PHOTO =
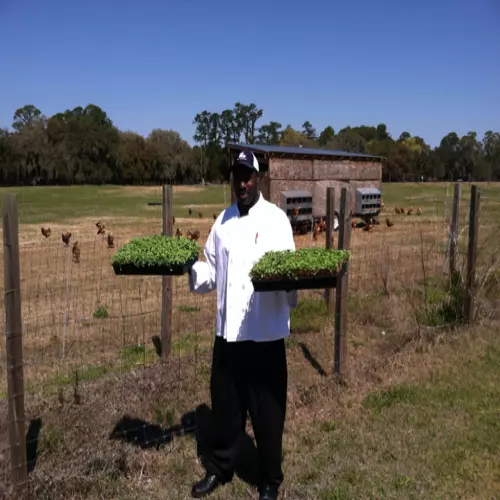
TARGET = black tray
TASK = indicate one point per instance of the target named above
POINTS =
(315, 282)
(173, 270)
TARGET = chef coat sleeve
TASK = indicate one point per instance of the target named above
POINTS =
(289, 244)
(202, 277)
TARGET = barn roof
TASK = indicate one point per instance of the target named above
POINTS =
(298, 151)
(368, 190)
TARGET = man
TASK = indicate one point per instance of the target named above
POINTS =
(249, 370)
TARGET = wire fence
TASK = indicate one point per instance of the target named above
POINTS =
(82, 316)
(86, 330)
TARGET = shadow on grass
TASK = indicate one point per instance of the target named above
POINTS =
(32, 438)
(146, 435)
(312, 360)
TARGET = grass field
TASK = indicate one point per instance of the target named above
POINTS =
(418, 418)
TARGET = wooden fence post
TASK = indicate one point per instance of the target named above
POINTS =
(340, 344)
(457, 194)
(14, 341)
(330, 227)
(167, 281)
(470, 292)
(233, 194)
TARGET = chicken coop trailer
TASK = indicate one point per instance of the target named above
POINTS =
(307, 173)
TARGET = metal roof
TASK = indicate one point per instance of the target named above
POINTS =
(288, 150)
(368, 190)
(296, 194)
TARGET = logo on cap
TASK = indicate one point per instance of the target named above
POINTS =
(242, 156)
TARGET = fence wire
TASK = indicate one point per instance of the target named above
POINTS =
(90, 338)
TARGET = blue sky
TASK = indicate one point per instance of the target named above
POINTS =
(430, 67)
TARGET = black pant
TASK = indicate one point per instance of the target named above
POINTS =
(248, 377)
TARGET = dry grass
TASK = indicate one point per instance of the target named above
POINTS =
(336, 446)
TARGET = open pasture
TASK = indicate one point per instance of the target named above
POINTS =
(80, 315)
(83, 326)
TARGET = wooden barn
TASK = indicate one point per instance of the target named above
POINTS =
(305, 170)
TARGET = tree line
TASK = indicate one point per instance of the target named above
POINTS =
(84, 146)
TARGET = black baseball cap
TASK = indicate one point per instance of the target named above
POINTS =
(248, 159)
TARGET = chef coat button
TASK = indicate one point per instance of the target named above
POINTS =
(243, 287)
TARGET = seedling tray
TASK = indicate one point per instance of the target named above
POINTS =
(286, 284)
(160, 270)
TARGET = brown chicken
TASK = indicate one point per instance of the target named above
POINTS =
(396, 209)
(296, 211)
(66, 237)
(76, 252)
(46, 232)
(368, 228)
(99, 224)
(193, 235)
(322, 225)
(200, 215)
(315, 231)
(389, 222)
(419, 211)
(178, 233)
(111, 241)
(410, 211)
(101, 230)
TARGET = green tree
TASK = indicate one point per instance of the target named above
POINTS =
(270, 133)
(291, 137)
(491, 146)
(308, 130)
(326, 136)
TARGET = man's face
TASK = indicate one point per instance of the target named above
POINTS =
(246, 184)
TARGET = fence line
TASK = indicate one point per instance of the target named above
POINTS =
(80, 321)
(14, 340)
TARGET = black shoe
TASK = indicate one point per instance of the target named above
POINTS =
(206, 486)
(268, 492)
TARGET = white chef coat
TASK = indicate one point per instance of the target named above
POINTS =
(234, 245)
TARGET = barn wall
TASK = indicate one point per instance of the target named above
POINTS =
(318, 191)
(319, 194)
(278, 185)
(339, 170)
(361, 170)
(316, 176)
(290, 169)
(331, 170)
(265, 186)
